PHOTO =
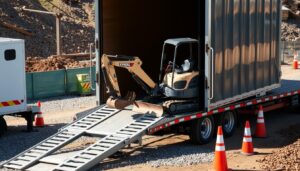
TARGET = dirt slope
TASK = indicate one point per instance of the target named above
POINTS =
(77, 30)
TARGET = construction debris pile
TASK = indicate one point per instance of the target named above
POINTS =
(39, 64)
(291, 18)
(290, 32)
(287, 158)
(39, 30)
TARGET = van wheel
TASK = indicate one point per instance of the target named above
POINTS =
(202, 130)
(3, 126)
(228, 121)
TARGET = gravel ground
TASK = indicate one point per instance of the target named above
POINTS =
(67, 103)
(288, 157)
(17, 139)
(183, 156)
(177, 155)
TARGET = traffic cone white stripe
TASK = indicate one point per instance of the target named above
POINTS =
(39, 116)
(260, 114)
(220, 139)
(245, 139)
(247, 132)
(260, 121)
(220, 148)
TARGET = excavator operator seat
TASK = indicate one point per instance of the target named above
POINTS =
(187, 65)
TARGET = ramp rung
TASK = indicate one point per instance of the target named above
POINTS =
(46, 145)
(32, 155)
(100, 148)
(65, 168)
(99, 115)
(135, 127)
(38, 151)
(92, 119)
(132, 130)
(140, 124)
(110, 144)
(26, 158)
(86, 155)
(124, 133)
(82, 158)
(42, 148)
(129, 130)
(73, 164)
(19, 162)
(12, 166)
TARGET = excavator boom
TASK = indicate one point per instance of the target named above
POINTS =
(132, 64)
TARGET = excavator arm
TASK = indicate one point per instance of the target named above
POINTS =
(132, 64)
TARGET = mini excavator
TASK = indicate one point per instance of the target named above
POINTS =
(177, 87)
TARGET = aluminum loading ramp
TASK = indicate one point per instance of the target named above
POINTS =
(116, 128)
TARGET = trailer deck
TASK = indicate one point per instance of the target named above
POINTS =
(290, 85)
(130, 127)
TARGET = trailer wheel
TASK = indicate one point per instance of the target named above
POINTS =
(229, 123)
(202, 130)
(3, 126)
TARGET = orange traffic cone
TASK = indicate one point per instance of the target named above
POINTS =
(39, 119)
(220, 161)
(247, 147)
(260, 131)
(295, 63)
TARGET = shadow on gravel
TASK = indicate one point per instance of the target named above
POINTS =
(17, 140)
(178, 154)
(283, 128)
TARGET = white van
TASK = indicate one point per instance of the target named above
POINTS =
(13, 99)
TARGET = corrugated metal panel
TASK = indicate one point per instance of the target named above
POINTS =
(245, 37)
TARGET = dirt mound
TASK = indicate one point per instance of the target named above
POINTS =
(287, 158)
(77, 30)
(290, 32)
(38, 64)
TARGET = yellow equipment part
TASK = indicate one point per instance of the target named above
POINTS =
(188, 76)
(133, 66)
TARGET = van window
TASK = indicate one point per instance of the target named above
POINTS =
(10, 54)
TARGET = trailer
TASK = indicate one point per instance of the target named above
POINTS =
(100, 122)
(13, 99)
(222, 59)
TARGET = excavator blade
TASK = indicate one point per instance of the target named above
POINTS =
(148, 108)
(141, 107)
(118, 103)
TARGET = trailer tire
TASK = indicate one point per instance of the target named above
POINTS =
(3, 126)
(229, 122)
(202, 130)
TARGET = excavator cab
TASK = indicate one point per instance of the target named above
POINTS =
(179, 74)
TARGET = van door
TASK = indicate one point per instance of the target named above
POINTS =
(12, 77)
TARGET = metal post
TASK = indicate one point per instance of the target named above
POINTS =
(58, 30)
(58, 37)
